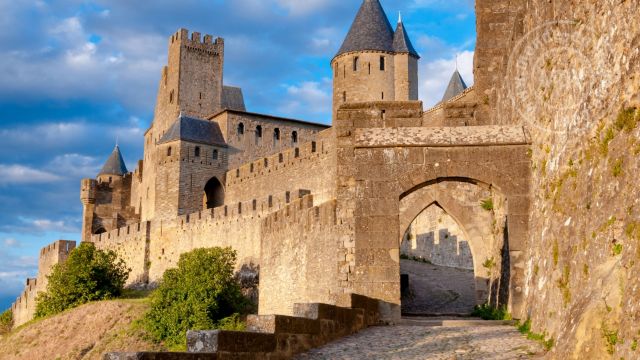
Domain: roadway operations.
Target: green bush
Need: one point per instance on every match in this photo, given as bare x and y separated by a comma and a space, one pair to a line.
487, 204
6, 321
200, 294
488, 312
89, 274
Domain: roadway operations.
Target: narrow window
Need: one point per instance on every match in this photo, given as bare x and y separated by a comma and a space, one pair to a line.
215, 154
383, 95
197, 151
294, 137
258, 134
355, 63
240, 129
171, 97
369, 68
169, 151
344, 71
381, 63
276, 136
344, 96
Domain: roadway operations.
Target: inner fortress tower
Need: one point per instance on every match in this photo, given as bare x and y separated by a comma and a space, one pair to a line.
375, 63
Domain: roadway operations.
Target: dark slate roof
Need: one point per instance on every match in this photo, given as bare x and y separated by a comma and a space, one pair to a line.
194, 130
232, 98
370, 30
401, 42
115, 164
455, 88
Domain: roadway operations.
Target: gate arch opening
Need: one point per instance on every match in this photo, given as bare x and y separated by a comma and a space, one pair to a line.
213, 194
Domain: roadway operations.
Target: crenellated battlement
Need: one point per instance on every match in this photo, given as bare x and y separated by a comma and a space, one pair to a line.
120, 234
196, 42
60, 247
306, 152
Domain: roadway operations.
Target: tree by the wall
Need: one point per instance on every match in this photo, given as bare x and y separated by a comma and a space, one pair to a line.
89, 274
6, 321
200, 294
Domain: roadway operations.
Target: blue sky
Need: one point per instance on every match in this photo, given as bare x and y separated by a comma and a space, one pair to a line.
77, 74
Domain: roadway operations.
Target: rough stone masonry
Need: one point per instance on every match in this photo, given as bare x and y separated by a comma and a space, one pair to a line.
535, 165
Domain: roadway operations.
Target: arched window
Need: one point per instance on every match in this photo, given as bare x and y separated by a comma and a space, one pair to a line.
382, 63
215, 154
197, 151
355, 63
240, 129
213, 194
294, 137
169, 151
276, 135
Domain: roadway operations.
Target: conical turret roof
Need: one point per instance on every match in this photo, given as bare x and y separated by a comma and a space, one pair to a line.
115, 164
455, 88
370, 30
401, 42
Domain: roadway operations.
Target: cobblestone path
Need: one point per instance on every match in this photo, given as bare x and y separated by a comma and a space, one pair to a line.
426, 343
437, 289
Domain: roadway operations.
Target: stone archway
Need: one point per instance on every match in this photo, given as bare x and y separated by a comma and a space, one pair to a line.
213, 194
482, 230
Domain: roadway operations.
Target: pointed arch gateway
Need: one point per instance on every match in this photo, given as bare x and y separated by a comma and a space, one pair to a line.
213, 194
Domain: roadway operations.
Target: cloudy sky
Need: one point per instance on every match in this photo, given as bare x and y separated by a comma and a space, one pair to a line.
77, 74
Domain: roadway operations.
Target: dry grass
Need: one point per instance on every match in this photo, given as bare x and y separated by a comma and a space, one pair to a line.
83, 333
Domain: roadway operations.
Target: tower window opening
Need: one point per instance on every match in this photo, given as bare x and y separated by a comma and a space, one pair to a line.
258, 134
169, 151
197, 151
215, 154
344, 96
294, 137
276, 136
382, 63
171, 97
240, 129
355, 63
200, 96
369, 68
383, 95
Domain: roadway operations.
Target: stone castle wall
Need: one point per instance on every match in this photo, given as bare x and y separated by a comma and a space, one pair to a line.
574, 82
311, 166
299, 258
24, 308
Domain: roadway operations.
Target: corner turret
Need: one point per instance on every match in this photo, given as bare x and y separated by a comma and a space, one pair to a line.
114, 167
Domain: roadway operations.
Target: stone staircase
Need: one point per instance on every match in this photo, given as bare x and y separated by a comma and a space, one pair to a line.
272, 337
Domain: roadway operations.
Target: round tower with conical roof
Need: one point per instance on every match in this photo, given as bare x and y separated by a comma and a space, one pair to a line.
375, 63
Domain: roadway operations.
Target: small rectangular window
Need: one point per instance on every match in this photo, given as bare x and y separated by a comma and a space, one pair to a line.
382, 63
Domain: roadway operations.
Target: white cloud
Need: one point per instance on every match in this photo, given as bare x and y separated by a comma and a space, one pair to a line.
310, 96
74, 166
46, 225
435, 76
19, 174
10, 242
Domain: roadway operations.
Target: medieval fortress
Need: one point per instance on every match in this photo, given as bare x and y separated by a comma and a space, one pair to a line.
324, 212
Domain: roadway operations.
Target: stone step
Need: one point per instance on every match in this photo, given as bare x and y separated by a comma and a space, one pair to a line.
455, 322
279, 324
160, 356
211, 341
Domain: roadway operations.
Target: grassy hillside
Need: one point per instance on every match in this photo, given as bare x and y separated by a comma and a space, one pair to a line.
86, 332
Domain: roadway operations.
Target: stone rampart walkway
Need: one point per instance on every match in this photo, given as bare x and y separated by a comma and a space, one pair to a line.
411, 342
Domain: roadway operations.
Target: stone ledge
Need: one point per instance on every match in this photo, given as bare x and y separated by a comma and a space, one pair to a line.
441, 136
279, 324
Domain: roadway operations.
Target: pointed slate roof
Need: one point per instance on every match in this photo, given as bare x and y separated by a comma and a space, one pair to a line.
455, 88
115, 164
401, 42
370, 30
194, 130
232, 98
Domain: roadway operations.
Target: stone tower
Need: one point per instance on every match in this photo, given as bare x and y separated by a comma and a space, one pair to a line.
375, 62
192, 85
